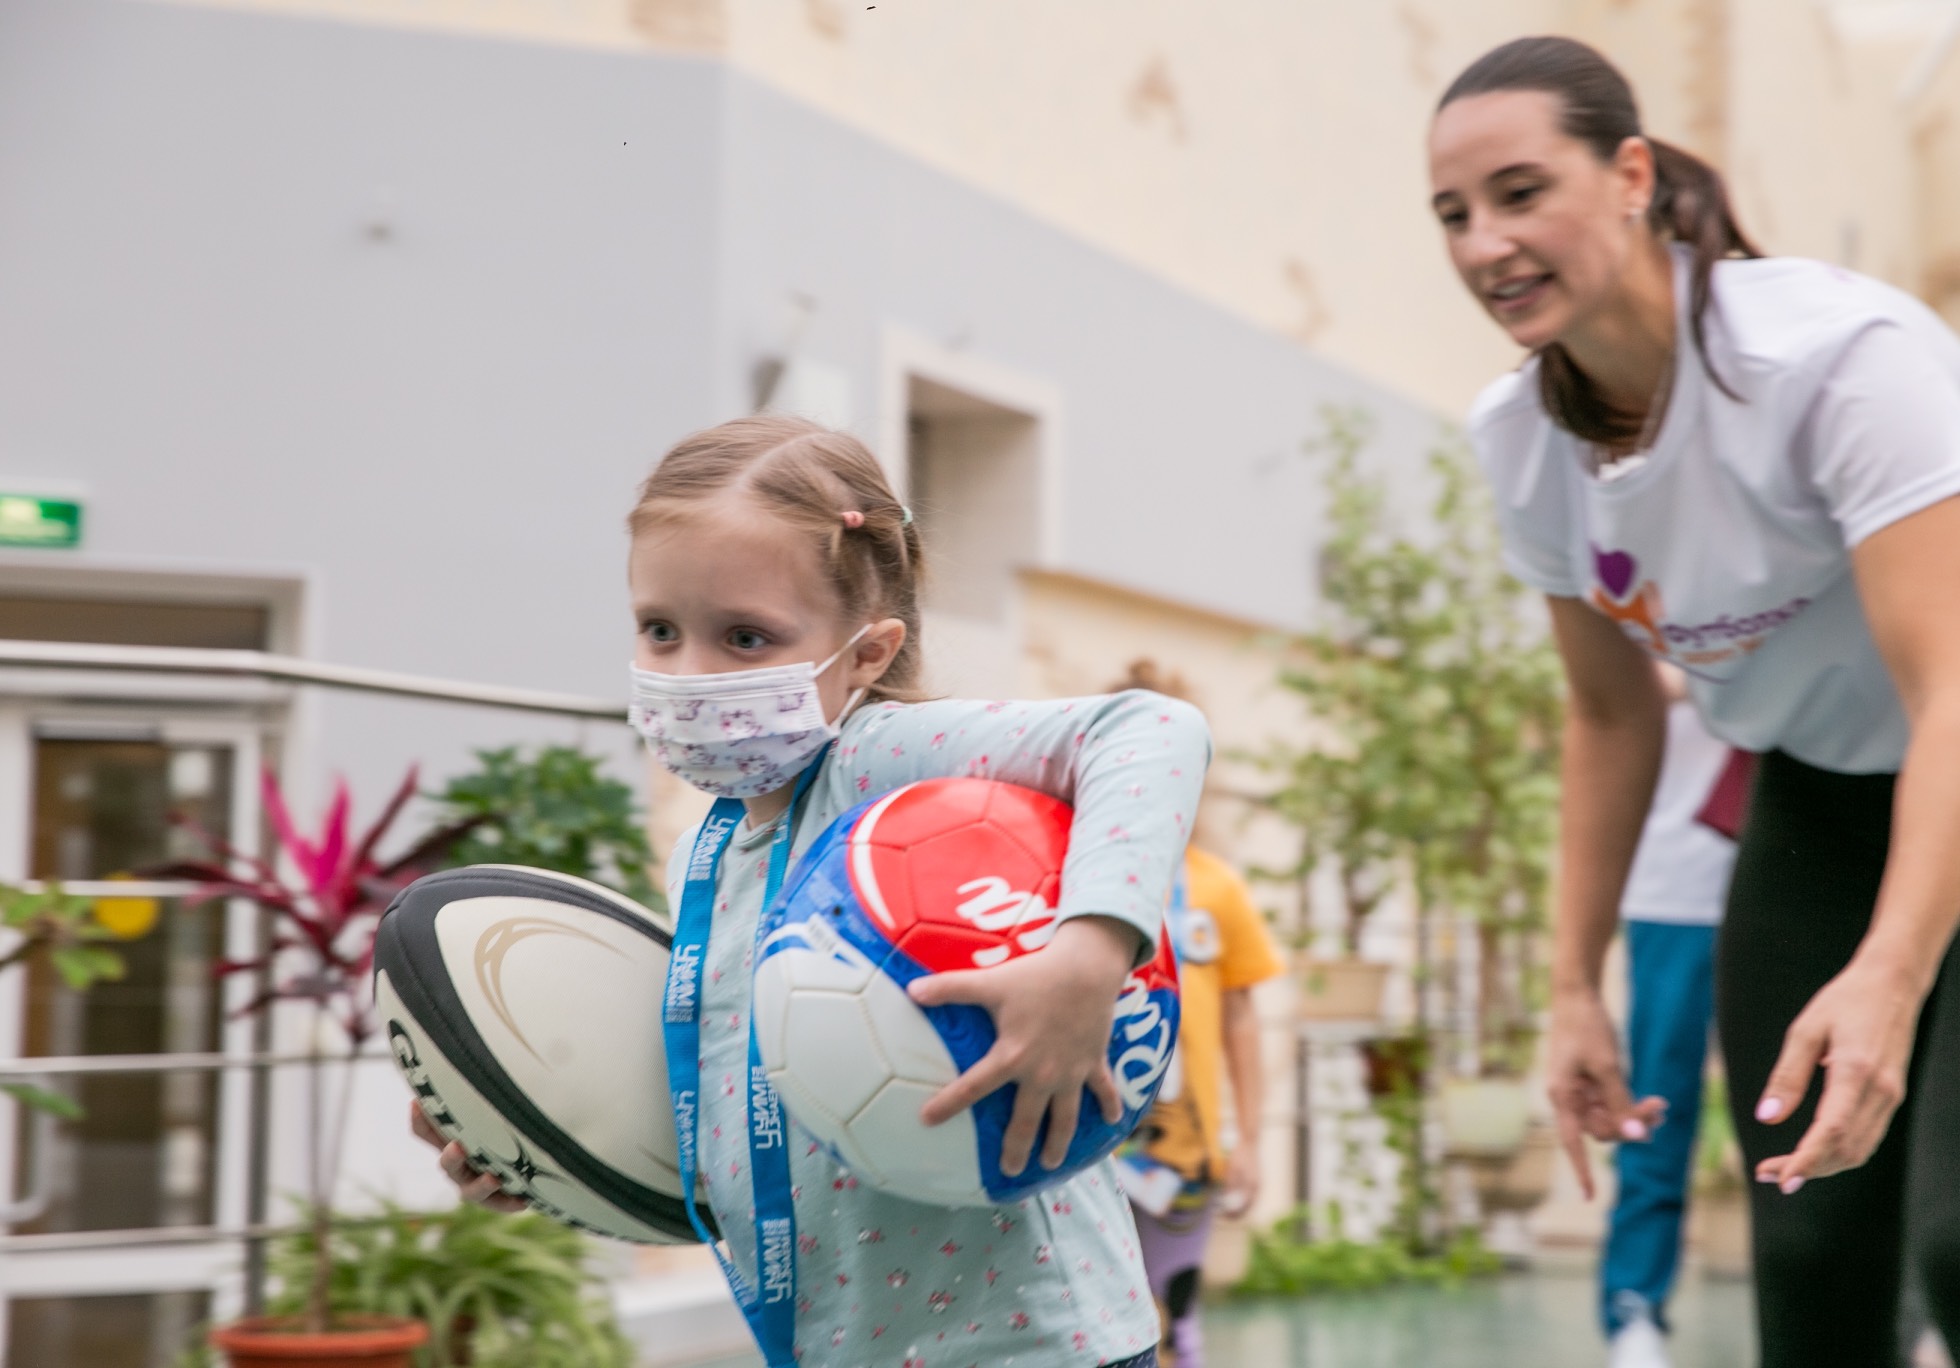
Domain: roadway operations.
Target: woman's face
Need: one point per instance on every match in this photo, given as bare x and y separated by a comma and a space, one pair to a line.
1537, 226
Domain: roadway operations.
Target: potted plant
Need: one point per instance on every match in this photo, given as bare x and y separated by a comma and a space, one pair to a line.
64, 929
319, 953
555, 810
495, 1290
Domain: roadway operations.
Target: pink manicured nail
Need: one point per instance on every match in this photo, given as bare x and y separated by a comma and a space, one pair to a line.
1790, 1186
1765, 1177
1633, 1128
1769, 1109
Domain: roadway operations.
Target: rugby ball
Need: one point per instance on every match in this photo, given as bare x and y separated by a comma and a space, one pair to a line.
523, 1008
939, 875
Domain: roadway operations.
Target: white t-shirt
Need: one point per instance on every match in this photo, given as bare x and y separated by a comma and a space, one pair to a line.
1681, 871
1728, 551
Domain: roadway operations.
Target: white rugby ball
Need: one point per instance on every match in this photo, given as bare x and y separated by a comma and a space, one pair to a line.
524, 1009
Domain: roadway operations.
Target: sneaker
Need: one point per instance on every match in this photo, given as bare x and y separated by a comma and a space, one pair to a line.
1639, 1344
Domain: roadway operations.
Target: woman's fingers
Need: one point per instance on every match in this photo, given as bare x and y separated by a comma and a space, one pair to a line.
1803, 1047
1572, 1136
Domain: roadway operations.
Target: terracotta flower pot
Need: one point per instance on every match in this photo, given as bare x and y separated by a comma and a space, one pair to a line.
356, 1342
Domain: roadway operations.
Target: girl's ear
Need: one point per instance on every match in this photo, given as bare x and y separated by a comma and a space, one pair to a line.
875, 651
1634, 164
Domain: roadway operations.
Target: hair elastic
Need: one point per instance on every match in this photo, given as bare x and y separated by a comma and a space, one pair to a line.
853, 519
906, 511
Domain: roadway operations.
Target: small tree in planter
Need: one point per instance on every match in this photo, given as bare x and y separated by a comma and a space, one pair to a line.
320, 952
1441, 700
64, 928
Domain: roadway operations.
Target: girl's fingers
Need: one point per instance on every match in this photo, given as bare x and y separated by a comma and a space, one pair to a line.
1102, 1087
1022, 1128
955, 985
1063, 1113
993, 1071
423, 1128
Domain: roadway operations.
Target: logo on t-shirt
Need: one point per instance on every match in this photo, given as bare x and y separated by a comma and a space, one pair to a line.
1702, 649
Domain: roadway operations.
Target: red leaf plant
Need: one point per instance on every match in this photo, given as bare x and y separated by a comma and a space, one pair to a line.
320, 950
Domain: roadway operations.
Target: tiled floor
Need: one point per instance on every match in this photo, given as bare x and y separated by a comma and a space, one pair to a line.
1540, 1320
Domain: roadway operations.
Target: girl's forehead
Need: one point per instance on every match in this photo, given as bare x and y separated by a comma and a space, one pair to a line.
729, 550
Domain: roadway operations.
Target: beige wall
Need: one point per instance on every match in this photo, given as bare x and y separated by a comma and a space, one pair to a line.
1267, 154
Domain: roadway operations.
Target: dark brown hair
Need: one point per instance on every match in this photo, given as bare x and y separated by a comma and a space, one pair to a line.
828, 485
1690, 204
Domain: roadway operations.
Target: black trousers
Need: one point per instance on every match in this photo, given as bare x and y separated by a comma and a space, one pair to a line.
1831, 1260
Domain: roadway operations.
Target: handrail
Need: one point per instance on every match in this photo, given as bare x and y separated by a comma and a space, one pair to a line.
65, 1066
197, 660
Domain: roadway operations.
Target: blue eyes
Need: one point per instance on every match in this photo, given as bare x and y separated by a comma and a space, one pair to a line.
740, 639
744, 640
662, 632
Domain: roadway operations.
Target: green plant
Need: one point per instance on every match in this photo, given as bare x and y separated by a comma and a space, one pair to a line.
321, 952
496, 1290
552, 810
62, 927
1283, 1264
1440, 701
1718, 1155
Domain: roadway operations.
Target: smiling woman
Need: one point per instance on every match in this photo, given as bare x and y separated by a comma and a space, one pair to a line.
1749, 468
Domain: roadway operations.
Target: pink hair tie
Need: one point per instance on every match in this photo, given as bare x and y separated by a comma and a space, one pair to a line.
853, 519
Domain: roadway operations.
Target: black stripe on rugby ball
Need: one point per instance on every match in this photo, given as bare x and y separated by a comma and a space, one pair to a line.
405, 945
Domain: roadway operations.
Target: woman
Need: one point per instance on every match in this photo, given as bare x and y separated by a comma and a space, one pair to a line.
1747, 467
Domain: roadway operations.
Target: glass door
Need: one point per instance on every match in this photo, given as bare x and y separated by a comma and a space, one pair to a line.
114, 1248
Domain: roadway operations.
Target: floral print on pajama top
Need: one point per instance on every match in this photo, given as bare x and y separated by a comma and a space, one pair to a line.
883, 1282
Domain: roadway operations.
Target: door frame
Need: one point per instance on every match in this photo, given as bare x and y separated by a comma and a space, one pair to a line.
215, 1264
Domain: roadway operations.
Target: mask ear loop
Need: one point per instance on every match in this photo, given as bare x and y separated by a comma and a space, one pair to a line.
857, 696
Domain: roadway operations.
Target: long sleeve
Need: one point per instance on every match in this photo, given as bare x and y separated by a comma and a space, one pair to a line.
1131, 764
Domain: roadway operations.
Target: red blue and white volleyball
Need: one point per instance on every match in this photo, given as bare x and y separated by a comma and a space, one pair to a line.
941, 875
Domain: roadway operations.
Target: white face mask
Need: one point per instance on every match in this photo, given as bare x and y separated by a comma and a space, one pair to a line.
741, 734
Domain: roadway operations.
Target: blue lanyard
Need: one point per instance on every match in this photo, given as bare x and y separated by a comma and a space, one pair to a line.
771, 1309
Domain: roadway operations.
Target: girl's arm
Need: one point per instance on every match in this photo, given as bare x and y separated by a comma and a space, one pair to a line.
1132, 764
1615, 731
1860, 1025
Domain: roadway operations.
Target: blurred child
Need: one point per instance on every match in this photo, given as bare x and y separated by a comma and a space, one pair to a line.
1178, 1171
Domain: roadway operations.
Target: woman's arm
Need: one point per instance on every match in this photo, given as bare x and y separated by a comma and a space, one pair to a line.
1615, 732
1860, 1025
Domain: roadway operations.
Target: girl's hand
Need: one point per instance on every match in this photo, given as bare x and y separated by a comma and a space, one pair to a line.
1052, 1016
1860, 1028
1588, 1090
483, 1189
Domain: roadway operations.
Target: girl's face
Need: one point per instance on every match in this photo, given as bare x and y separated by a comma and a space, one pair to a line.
728, 585
1537, 226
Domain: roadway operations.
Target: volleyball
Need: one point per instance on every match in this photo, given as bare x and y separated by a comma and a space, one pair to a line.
521, 1006
945, 874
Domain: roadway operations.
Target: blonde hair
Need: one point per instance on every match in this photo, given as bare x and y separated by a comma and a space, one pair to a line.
826, 484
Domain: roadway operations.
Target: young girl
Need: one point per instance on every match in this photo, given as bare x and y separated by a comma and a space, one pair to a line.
1749, 467
770, 559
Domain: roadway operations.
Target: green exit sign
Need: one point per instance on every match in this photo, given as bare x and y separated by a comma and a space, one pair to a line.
32, 520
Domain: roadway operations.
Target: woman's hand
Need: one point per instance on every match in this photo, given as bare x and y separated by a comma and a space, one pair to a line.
481, 1188
1052, 1016
1588, 1089
1860, 1028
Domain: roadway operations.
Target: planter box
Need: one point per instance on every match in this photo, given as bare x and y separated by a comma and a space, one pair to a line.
1484, 1117
1518, 1182
1340, 990
360, 1342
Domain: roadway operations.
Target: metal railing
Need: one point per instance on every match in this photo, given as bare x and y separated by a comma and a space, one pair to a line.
161, 660
181, 660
